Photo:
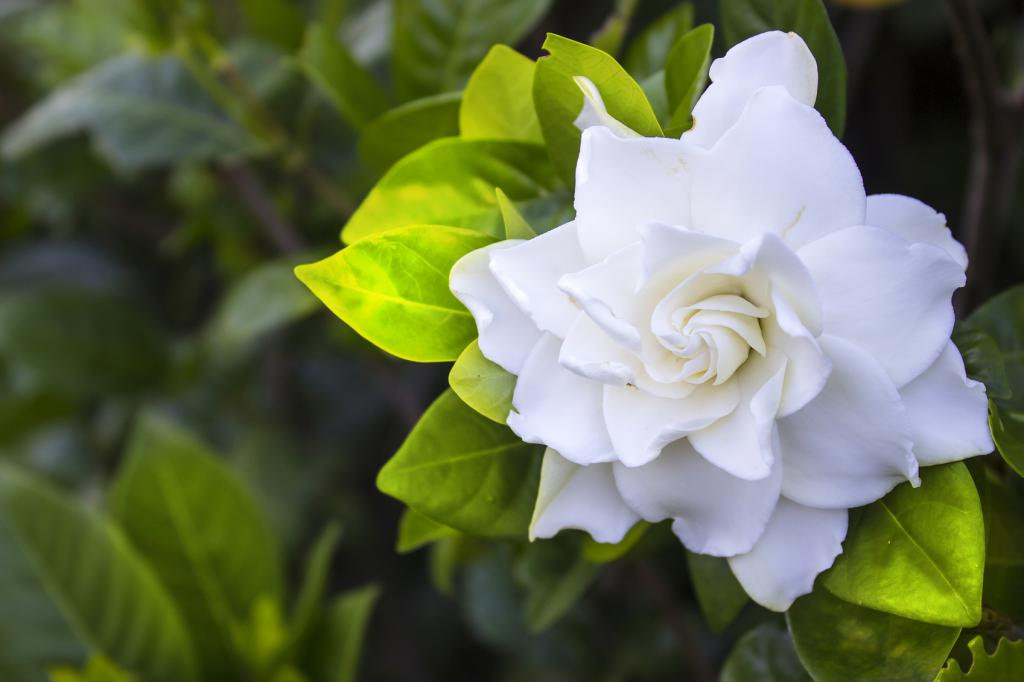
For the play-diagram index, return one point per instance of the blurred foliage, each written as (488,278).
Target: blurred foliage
(190,445)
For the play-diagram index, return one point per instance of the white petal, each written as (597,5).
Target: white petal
(624,183)
(779,169)
(573,496)
(850,445)
(530,270)
(607,292)
(715,512)
(742,443)
(889,296)
(948,412)
(558,408)
(798,544)
(915,221)
(807,365)
(680,252)
(641,424)
(591,353)
(772,58)
(594,112)
(506,334)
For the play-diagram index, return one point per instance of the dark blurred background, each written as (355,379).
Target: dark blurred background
(165,286)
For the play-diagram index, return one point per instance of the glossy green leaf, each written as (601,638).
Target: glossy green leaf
(516,226)
(556,575)
(263,300)
(1003,508)
(1007,425)
(416,530)
(314,584)
(1005,663)
(408,127)
(765,654)
(451,182)
(983,360)
(649,51)
(79,343)
(719,594)
(392,288)
(202,532)
(438,43)
(1002,319)
(686,73)
(809,19)
(559,100)
(465,471)
(98,669)
(917,552)
(498,101)
(70,584)
(482,385)
(142,112)
(337,643)
(838,642)
(341,79)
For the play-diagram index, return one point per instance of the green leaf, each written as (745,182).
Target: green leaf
(603,552)
(141,112)
(838,642)
(392,288)
(559,100)
(263,300)
(79,343)
(98,669)
(1005,663)
(407,127)
(649,51)
(556,575)
(1007,425)
(70,584)
(465,471)
(439,42)
(719,594)
(610,36)
(334,652)
(202,532)
(452,182)
(279,21)
(516,226)
(416,530)
(742,19)
(1003,509)
(482,385)
(341,79)
(983,360)
(314,585)
(765,654)
(917,552)
(686,73)
(498,102)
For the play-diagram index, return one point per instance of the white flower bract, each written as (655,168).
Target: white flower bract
(730,334)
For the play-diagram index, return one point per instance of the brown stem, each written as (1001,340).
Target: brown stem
(995,152)
(250,190)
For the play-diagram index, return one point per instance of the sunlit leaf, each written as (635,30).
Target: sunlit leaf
(1003,507)
(482,385)
(559,100)
(416,530)
(498,101)
(686,73)
(1005,663)
(917,552)
(408,127)
(392,288)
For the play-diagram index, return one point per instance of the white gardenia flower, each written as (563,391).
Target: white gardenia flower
(730,334)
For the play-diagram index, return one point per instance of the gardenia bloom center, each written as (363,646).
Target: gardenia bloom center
(730,334)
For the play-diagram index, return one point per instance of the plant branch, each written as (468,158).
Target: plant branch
(250,190)
(995,151)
